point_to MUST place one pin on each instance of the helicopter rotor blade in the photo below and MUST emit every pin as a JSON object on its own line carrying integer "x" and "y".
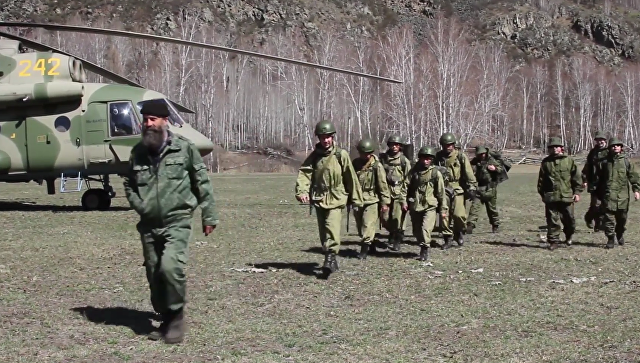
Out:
{"x": 76, "y": 28}
{"x": 92, "y": 67}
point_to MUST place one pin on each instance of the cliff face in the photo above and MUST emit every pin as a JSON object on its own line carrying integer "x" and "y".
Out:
{"x": 541, "y": 30}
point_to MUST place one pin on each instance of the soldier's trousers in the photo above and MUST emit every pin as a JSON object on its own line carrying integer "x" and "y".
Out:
{"x": 165, "y": 252}
{"x": 491, "y": 207}
{"x": 329, "y": 223}
{"x": 423, "y": 223}
{"x": 367, "y": 222}
{"x": 457, "y": 212}
{"x": 615, "y": 222}
{"x": 396, "y": 220}
{"x": 594, "y": 213}
{"x": 556, "y": 213}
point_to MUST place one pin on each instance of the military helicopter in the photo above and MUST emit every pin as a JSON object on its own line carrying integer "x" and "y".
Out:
{"x": 53, "y": 124}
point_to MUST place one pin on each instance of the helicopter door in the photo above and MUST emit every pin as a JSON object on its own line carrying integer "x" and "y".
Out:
{"x": 13, "y": 143}
{"x": 125, "y": 129}
{"x": 95, "y": 122}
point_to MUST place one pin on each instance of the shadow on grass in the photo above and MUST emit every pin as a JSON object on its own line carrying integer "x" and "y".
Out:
{"x": 351, "y": 253}
{"x": 511, "y": 244}
{"x": 304, "y": 268}
{"x": 138, "y": 321}
{"x": 32, "y": 207}
{"x": 592, "y": 245}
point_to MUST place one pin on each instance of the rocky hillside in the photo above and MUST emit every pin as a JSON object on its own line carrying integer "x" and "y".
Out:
{"x": 609, "y": 30}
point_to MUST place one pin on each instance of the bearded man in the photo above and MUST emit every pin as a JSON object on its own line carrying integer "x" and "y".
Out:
{"x": 166, "y": 182}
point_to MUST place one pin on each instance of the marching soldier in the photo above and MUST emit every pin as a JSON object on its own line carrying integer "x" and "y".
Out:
{"x": 397, "y": 167}
{"x": 559, "y": 187}
{"x": 597, "y": 156}
{"x": 487, "y": 169}
{"x": 426, "y": 197}
{"x": 375, "y": 194}
{"x": 458, "y": 175}
{"x": 327, "y": 180}
{"x": 613, "y": 190}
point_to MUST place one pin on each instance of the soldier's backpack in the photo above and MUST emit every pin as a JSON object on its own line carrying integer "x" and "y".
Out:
{"x": 384, "y": 157}
{"x": 506, "y": 166}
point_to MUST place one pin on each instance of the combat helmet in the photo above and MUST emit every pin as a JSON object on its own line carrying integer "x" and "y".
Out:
{"x": 481, "y": 150}
{"x": 615, "y": 141}
{"x": 325, "y": 128}
{"x": 600, "y": 135}
{"x": 447, "y": 138}
{"x": 366, "y": 146}
{"x": 394, "y": 139}
{"x": 427, "y": 151}
{"x": 555, "y": 141}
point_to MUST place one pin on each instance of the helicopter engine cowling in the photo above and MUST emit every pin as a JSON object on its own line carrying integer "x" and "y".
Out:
{"x": 39, "y": 93}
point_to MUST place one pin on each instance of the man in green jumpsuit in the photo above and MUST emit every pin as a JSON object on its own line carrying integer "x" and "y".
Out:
{"x": 486, "y": 169}
{"x": 596, "y": 157}
{"x": 166, "y": 182}
{"x": 327, "y": 180}
{"x": 559, "y": 186}
{"x": 375, "y": 194}
{"x": 613, "y": 189}
{"x": 397, "y": 167}
{"x": 458, "y": 176}
{"x": 426, "y": 197}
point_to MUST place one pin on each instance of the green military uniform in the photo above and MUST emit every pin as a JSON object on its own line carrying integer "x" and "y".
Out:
{"x": 375, "y": 194}
{"x": 426, "y": 197}
{"x": 165, "y": 189}
{"x": 487, "y": 192}
{"x": 596, "y": 157}
{"x": 327, "y": 177}
{"x": 458, "y": 175}
{"x": 613, "y": 189}
{"x": 397, "y": 167}
{"x": 558, "y": 182}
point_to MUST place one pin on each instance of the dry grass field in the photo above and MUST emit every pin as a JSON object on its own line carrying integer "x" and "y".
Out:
{"x": 73, "y": 289}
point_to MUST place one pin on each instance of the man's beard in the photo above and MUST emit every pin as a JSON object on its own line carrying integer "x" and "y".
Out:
{"x": 153, "y": 138}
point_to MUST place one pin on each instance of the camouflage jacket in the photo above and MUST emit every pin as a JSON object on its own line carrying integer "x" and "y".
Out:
{"x": 426, "y": 189}
{"x": 459, "y": 174}
{"x": 373, "y": 181}
{"x": 171, "y": 186}
{"x": 615, "y": 176}
{"x": 329, "y": 182}
{"x": 591, "y": 169}
{"x": 484, "y": 176}
{"x": 558, "y": 179}
{"x": 397, "y": 169}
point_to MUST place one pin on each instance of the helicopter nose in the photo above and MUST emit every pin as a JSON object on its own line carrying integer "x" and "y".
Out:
{"x": 202, "y": 143}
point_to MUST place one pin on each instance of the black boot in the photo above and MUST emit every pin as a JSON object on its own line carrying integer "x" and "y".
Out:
{"x": 330, "y": 263}
{"x": 495, "y": 228}
{"x": 588, "y": 220}
{"x": 470, "y": 228}
{"x": 569, "y": 240}
{"x": 460, "y": 238}
{"x": 611, "y": 242}
{"x": 424, "y": 253}
{"x": 620, "y": 238}
{"x": 447, "y": 242}
{"x": 176, "y": 329}
{"x": 160, "y": 332}
{"x": 364, "y": 249}
{"x": 396, "y": 242}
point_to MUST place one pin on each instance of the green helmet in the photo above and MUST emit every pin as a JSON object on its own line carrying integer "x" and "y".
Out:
{"x": 600, "y": 135}
{"x": 366, "y": 146}
{"x": 394, "y": 139}
{"x": 427, "y": 151}
{"x": 615, "y": 141}
{"x": 481, "y": 150}
{"x": 555, "y": 141}
{"x": 458, "y": 145}
{"x": 447, "y": 138}
{"x": 325, "y": 128}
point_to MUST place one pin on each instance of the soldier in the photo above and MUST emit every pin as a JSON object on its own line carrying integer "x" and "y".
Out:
{"x": 559, "y": 187}
{"x": 597, "y": 156}
{"x": 166, "y": 182}
{"x": 426, "y": 196}
{"x": 397, "y": 167}
{"x": 458, "y": 175}
{"x": 375, "y": 194}
{"x": 487, "y": 170}
{"x": 327, "y": 180}
{"x": 613, "y": 190}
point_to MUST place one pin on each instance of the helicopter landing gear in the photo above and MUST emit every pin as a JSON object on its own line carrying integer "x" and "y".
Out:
{"x": 96, "y": 198}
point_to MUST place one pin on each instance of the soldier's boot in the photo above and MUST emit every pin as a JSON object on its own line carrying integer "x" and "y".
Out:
{"x": 330, "y": 263}
{"x": 364, "y": 249}
{"x": 620, "y": 238}
{"x": 176, "y": 328}
{"x": 553, "y": 245}
{"x": 160, "y": 332}
{"x": 395, "y": 242}
{"x": 447, "y": 242}
{"x": 597, "y": 225}
{"x": 424, "y": 253}
{"x": 495, "y": 228}
{"x": 569, "y": 239}
{"x": 589, "y": 220}
{"x": 611, "y": 242}
{"x": 459, "y": 237}
{"x": 470, "y": 227}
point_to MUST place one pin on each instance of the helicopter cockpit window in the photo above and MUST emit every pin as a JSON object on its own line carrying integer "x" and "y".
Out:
{"x": 123, "y": 120}
{"x": 174, "y": 117}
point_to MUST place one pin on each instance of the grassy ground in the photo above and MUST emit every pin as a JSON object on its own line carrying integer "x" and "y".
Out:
{"x": 72, "y": 287}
